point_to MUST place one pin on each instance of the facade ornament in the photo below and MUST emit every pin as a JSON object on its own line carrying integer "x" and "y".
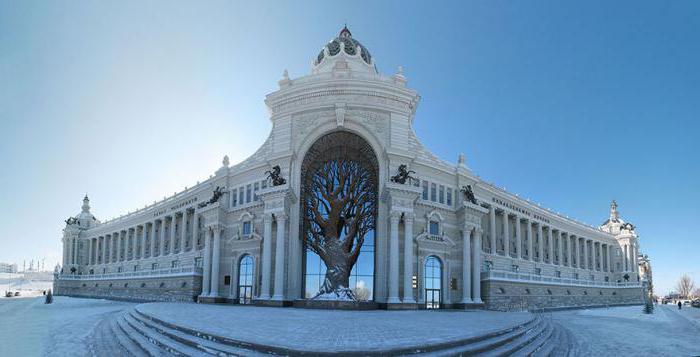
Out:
{"x": 614, "y": 216}
{"x": 627, "y": 226}
{"x": 340, "y": 114}
{"x": 461, "y": 160}
{"x": 71, "y": 221}
{"x": 275, "y": 177}
{"x": 468, "y": 194}
{"x": 225, "y": 162}
{"x": 218, "y": 192}
{"x": 403, "y": 175}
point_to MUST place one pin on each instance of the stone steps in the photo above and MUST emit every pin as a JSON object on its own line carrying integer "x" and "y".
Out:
{"x": 144, "y": 335}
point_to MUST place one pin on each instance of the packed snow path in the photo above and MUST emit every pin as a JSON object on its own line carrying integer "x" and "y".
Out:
{"x": 627, "y": 331}
{"x": 28, "y": 327}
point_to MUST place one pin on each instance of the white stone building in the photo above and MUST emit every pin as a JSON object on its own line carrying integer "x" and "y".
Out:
{"x": 431, "y": 246}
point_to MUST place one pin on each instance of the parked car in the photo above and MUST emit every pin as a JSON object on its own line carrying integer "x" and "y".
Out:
{"x": 9, "y": 294}
{"x": 16, "y": 293}
{"x": 695, "y": 303}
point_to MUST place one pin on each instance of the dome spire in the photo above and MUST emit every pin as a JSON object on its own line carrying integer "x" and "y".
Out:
{"x": 345, "y": 32}
{"x": 613, "y": 211}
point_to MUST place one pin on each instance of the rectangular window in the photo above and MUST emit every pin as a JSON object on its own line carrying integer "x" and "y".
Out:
{"x": 234, "y": 198}
{"x": 538, "y": 271}
{"x": 136, "y": 268}
{"x": 174, "y": 264}
{"x": 576, "y": 276}
{"x": 433, "y": 192}
{"x": 246, "y": 228}
{"x": 425, "y": 190}
{"x": 592, "y": 277}
{"x": 256, "y": 187}
{"x": 241, "y": 198}
{"x": 434, "y": 228}
{"x": 198, "y": 262}
{"x": 514, "y": 268}
{"x": 557, "y": 274}
{"x": 154, "y": 266}
{"x": 264, "y": 184}
{"x": 442, "y": 194}
{"x": 248, "y": 193}
{"x": 120, "y": 269}
{"x": 227, "y": 280}
{"x": 449, "y": 197}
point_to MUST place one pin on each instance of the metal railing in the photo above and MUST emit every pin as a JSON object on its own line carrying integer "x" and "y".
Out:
{"x": 180, "y": 271}
{"x": 527, "y": 277}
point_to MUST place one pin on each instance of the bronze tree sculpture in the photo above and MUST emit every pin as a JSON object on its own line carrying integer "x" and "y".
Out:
{"x": 339, "y": 209}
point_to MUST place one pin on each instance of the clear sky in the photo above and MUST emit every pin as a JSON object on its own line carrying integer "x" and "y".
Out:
{"x": 568, "y": 104}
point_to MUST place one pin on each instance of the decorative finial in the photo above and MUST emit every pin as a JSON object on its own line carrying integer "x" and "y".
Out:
{"x": 225, "y": 162}
{"x": 345, "y": 32}
{"x": 461, "y": 159}
{"x": 613, "y": 211}
{"x": 400, "y": 70}
{"x": 285, "y": 75}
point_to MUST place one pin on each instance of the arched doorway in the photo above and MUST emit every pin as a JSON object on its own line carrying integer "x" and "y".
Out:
{"x": 339, "y": 184}
{"x": 245, "y": 280}
{"x": 432, "y": 282}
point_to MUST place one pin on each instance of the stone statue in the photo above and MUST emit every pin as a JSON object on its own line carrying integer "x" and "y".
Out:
{"x": 468, "y": 194}
{"x": 71, "y": 221}
{"x": 403, "y": 175}
{"x": 275, "y": 177}
{"x": 218, "y": 192}
{"x": 627, "y": 226}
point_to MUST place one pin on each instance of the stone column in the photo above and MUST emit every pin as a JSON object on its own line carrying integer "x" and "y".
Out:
{"x": 599, "y": 256}
{"x": 152, "y": 253}
{"x": 528, "y": 236}
{"x": 577, "y": 252}
{"x": 183, "y": 231}
{"x": 393, "y": 297}
{"x": 195, "y": 231}
{"x": 280, "y": 264}
{"x": 560, "y": 238}
{"x": 586, "y": 263}
{"x": 144, "y": 233}
{"x": 519, "y": 238}
{"x": 625, "y": 256}
{"x": 540, "y": 243}
{"x": 119, "y": 243}
{"x": 90, "y": 251}
{"x": 610, "y": 251}
{"x": 408, "y": 259}
{"x": 635, "y": 261}
{"x": 506, "y": 234}
{"x": 162, "y": 236}
{"x": 216, "y": 262}
{"x": 266, "y": 257}
{"x": 492, "y": 229}
{"x": 108, "y": 252}
{"x": 173, "y": 223}
{"x": 476, "y": 267}
{"x": 206, "y": 274}
{"x": 550, "y": 247}
{"x": 466, "y": 265}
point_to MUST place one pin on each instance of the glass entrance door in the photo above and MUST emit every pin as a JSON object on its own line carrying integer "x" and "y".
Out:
{"x": 432, "y": 298}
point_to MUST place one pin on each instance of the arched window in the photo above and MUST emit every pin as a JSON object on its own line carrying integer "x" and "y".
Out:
{"x": 245, "y": 280}
{"x": 432, "y": 278}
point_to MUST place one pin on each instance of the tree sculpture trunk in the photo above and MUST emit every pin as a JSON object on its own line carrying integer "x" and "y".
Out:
{"x": 339, "y": 210}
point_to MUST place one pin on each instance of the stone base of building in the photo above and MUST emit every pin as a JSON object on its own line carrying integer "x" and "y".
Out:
{"x": 338, "y": 305}
{"x": 521, "y": 296}
{"x": 468, "y": 306}
{"x": 212, "y": 300}
{"x": 180, "y": 288}
{"x": 273, "y": 303}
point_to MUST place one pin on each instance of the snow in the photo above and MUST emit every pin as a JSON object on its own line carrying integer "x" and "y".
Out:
{"x": 627, "y": 331}
{"x": 27, "y": 284}
{"x": 28, "y": 327}
{"x": 333, "y": 330}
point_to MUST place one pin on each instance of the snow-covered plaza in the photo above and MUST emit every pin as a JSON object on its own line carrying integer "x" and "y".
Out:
{"x": 84, "y": 327}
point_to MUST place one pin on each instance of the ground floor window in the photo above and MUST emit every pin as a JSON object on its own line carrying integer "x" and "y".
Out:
{"x": 432, "y": 282}
{"x": 245, "y": 280}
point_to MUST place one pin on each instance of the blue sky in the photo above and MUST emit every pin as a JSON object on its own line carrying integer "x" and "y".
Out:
{"x": 568, "y": 104}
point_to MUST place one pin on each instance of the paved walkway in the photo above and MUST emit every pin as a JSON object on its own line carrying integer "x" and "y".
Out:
{"x": 627, "y": 331}
{"x": 332, "y": 330}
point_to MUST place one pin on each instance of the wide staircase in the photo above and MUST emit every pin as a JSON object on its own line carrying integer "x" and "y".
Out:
{"x": 138, "y": 334}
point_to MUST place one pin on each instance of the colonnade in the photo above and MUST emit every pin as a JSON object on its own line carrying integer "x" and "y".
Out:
{"x": 167, "y": 235}
{"x": 553, "y": 245}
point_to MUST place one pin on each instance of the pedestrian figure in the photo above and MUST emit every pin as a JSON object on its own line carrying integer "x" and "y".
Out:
{"x": 679, "y": 305}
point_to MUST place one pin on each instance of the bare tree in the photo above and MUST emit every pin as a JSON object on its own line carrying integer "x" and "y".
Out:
{"x": 339, "y": 210}
{"x": 685, "y": 286}
{"x": 696, "y": 293}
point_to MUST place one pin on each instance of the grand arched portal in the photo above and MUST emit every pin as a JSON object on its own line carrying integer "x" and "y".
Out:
{"x": 339, "y": 177}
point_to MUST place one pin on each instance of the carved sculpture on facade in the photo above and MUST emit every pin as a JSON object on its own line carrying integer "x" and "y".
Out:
{"x": 403, "y": 175}
{"x": 71, "y": 221}
{"x": 627, "y": 226}
{"x": 218, "y": 192}
{"x": 468, "y": 194}
{"x": 275, "y": 177}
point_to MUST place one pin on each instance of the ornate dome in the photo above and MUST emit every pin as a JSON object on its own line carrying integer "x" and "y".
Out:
{"x": 350, "y": 46}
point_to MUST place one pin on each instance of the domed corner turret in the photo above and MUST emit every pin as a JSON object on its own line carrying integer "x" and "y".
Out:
{"x": 344, "y": 54}
{"x": 85, "y": 219}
